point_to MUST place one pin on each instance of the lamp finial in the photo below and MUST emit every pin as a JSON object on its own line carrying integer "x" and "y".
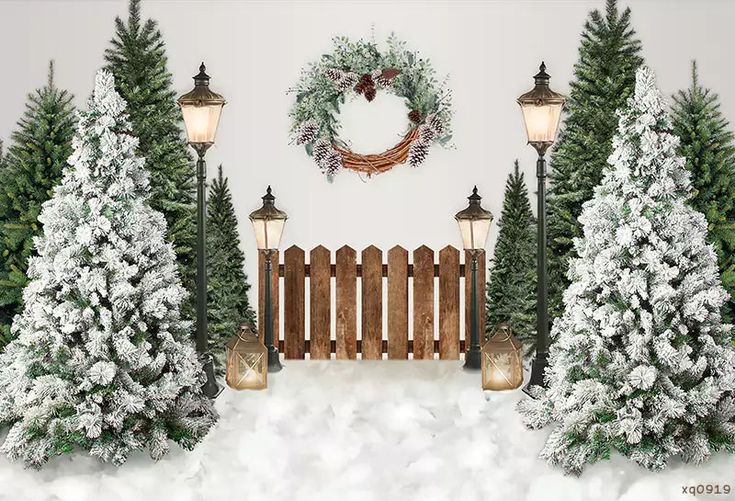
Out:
{"x": 475, "y": 197}
{"x": 268, "y": 198}
{"x": 201, "y": 78}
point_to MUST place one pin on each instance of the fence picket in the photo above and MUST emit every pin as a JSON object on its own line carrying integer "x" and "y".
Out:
{"x": 346, "y": 308}
{"x": 398, "y": 303}
{"x": 372, "y": 303}
{"x": 423, "y": 303}
{"x": 293, "y": 295}
{"x": 319, "y": 299}
{"x": 449, "y": 303}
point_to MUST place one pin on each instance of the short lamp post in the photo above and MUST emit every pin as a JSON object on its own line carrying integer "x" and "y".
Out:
{"x": 268, "y": 223}
{"x": 474, "y": 226}
{"x": 201, "y": 109}
{"x": 541, "y": 109}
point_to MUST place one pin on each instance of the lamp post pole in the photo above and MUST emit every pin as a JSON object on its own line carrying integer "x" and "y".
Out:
{"x": 274, "y": 362}
{"x": 211, "y": 388}
{"x": 541, "y": 109}
{"x": 542, "y": 277}
{"x": 473, "y": 360}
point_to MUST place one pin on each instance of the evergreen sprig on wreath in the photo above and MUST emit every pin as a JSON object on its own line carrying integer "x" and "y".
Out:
{"x": 356, "y": 70}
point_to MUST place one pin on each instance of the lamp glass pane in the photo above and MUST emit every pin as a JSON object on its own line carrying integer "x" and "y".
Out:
{"x": 474, "y": 232}
{"x": 201, "y": 122}
{"x": 541, "y": 121}
{"x": 268, "y": 233}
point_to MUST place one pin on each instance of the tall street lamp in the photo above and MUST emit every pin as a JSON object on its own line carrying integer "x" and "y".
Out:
{"x": 268, "y": 223}
{"x": 201, "y": 109}
{"x": 541, "y": 109}
{"x": 474, "y": 226}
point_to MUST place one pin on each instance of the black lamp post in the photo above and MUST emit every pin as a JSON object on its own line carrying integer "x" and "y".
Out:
{"x": 201, "y": 109}
{"x": 268, "y": 223}
{"x": 541, "y": 109}
{"x": 474, "y": 226}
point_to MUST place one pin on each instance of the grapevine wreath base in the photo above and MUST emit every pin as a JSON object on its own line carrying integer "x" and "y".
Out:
{"x": 357, "y": 69}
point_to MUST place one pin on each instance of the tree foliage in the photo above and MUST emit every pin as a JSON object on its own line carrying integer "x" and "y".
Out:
{"x": 642, "y": 362}
{"x": 137, "y": 59}
{"x": 103, "y": 361}
{"x": 604, "y": 77}
{"x": 707, "y": 144}
{"x": 38, "y": 151}
{"x": 228, "y": 286}
{"x": 511, "y": 290}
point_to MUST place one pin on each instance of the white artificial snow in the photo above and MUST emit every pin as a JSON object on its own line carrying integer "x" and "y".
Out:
{"x": 362, "y": 431}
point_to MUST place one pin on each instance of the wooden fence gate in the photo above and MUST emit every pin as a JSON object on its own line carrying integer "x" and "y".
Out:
{"x": 421, "y": 273}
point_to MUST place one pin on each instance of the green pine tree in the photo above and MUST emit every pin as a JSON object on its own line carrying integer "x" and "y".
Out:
{"x": 138, "y": 61}
{"x": 708, "y": 146}
{"x": 604, "y": 75}
{"x": 37, "y": 153}
{"x": 511, "y": 290}
{"x": 228, "y": 285}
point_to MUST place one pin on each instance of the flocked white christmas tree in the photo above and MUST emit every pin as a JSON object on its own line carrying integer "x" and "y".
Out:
{"x": 642, "y": 363}
{"x": 102, "y": 361}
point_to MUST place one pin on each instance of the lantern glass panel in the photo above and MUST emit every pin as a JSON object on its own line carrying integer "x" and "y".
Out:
{"x": 247, "y": 362}
{"x": 268, "y": 232}
{"x": 502, "y": 361}
{"x": 542, "y": 121}
{"x": 474, "y": 232}
{"x": 201, "y": 122}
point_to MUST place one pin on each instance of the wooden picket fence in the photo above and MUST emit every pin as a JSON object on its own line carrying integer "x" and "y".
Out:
{"x": 370, "y": 272}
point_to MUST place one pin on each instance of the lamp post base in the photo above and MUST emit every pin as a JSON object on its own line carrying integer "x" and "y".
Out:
{"x": 473, "y": 359}
{"x": 211, "y": 388}
{"x": 274, "y": 361}
{"x": 537, "y": 373}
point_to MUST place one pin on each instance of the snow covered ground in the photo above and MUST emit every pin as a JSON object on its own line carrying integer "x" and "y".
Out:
{"x": 383, "y": 430}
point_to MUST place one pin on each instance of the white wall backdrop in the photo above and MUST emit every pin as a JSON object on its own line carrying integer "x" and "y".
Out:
{"x": 254, "y": 52}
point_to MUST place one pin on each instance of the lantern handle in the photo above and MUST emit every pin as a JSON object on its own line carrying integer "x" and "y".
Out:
{"x": 505, "y": 328}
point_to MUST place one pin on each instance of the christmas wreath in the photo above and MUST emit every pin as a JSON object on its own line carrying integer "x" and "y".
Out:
{"x": 358, "y": 70}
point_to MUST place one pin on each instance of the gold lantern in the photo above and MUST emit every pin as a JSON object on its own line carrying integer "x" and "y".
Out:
{"x": 247, "y": 361}
{"x": 502, "y": 360}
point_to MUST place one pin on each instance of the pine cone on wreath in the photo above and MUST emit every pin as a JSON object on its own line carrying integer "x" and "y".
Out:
{"x": 426, "y": 133}
{"x": 366, "y": 86}
{"x": 321, "y": 149}
{"x": 418, "y": 152}
{"x": 376, "y": 76}
{"x": 349, "y": 81}
{"x": 415, "y": 116}
{"x": 334, "y": 74}
{"x": 435, "y": 123}
{"x": 332, "y": 163}
{"x": 370, "y": 93}
{"x": 383, "y": 77}
{"x": 308, "y": 131}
